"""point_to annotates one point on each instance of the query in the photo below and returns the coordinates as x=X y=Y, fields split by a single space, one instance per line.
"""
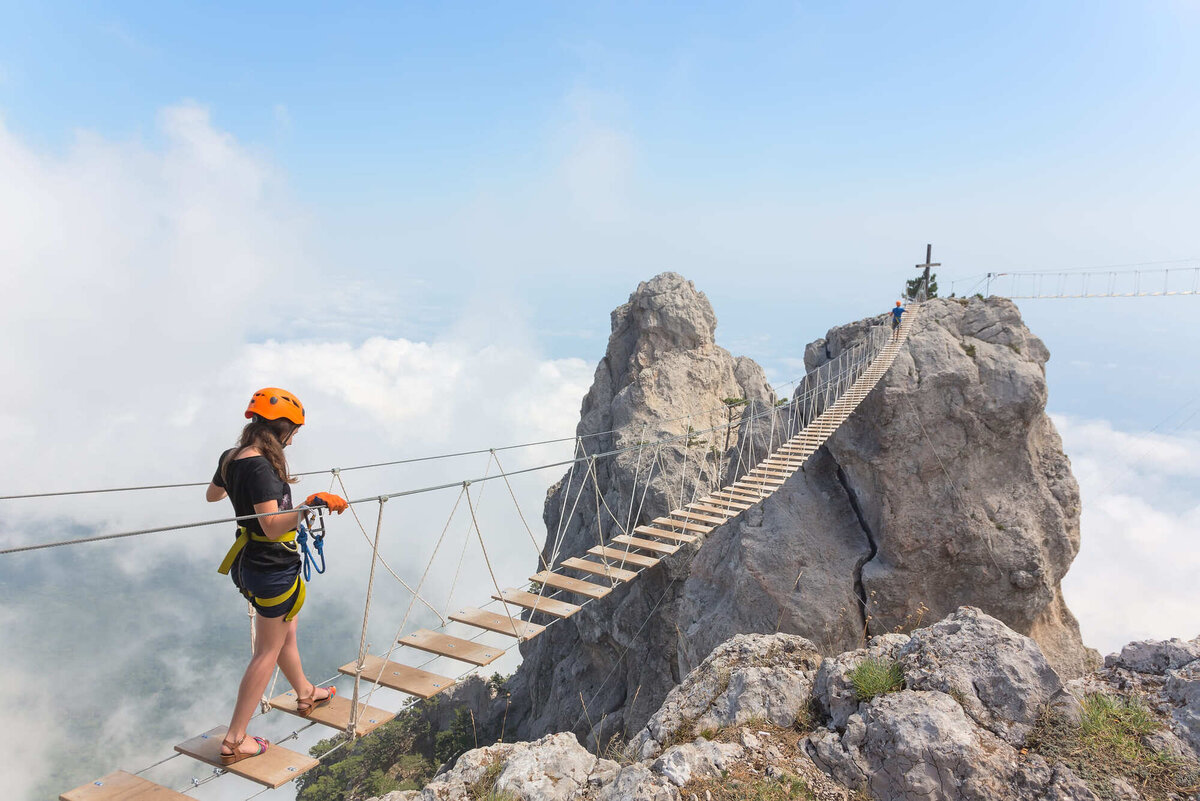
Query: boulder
x=1154 y=656
x=1000 y=677
x=554 y=768
x=698 y=760
x=1182 y=689
x=750 y=677
x=922 y=745
x=637 y=783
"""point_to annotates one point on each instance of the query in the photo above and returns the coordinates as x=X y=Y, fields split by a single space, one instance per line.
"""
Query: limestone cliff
x=948 y=486
x=960 y=477
x=663 y=373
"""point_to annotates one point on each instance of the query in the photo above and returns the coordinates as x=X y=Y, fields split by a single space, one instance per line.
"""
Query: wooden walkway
x=589 y=576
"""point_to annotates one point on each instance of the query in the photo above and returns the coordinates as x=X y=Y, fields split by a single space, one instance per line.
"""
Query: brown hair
x=266 y=436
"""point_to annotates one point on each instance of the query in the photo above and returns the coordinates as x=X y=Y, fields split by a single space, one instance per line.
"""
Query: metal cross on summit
x=929 y=262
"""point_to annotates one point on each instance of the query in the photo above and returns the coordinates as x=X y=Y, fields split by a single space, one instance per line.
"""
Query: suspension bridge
x=796 y=428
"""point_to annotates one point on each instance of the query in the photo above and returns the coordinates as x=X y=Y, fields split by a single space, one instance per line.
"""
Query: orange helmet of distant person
x=897 y=303
x=273 y=403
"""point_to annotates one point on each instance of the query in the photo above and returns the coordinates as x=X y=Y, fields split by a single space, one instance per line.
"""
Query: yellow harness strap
x=244 y=536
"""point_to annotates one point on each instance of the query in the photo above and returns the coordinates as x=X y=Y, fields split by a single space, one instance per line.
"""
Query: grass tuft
x=484 y=788
x=1108 y=744
x=876 y=676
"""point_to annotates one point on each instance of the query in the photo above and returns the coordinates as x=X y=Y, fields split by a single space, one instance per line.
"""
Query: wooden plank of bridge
x=771 y=473
x=742 y=495
x=724 y=503
x=689 y=515
x=410 y=680
x=623 y=556
x=758 y=480
x=664 y=534
x=122 y=786
x=501 y=624
x=707 y=507
x=336 y=713
x=528 y=600
x=599 y=569
x=647 y=545
x=577 y=586
x=666 y=521
x=275 y=767
x=444 y=645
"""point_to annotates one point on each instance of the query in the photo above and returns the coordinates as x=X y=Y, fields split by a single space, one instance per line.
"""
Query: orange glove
x=333 y=503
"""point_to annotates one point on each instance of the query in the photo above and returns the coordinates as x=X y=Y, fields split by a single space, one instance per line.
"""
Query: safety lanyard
x=318 y=538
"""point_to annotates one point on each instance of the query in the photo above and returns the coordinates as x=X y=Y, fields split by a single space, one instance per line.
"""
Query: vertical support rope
x=687 y=446
x=487 y=560
x=466 y=539
x=352 y=727
x=636 y=473
x=520 y=514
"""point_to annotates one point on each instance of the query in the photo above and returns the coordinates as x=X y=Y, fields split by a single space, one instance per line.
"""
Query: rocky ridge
x=968 y=719
x=947 y=487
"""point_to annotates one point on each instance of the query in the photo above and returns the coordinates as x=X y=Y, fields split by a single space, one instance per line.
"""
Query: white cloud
x=1134 y=577
x=137 y=274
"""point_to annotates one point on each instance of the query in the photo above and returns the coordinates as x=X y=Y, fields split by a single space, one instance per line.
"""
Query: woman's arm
x=276 y=525
x=214 y=493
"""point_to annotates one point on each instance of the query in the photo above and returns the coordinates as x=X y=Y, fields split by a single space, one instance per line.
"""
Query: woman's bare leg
x=270 y=635
x=289 y=662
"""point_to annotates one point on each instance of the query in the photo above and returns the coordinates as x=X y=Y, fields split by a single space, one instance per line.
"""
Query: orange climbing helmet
x=272 y=403
x=897 y=303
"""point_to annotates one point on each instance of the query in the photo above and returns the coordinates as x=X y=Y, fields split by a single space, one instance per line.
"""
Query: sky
x=418 y=217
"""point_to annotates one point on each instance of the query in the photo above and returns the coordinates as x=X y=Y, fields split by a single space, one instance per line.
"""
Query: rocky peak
x=665 y=314
x=948 y=486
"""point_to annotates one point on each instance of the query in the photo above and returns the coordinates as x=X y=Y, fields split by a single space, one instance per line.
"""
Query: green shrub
x=876 y=676
x=969 y=350
x=457 y=739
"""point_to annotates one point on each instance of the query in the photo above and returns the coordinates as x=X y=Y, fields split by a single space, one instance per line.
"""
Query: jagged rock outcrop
x=662 y=374
x=962 y=724
x=961 y=479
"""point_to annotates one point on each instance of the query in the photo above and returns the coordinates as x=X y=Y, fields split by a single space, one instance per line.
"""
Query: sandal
x=238 y=756
x=305 y=704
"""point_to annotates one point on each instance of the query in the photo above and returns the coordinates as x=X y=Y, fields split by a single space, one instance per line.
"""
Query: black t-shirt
x=253 y=480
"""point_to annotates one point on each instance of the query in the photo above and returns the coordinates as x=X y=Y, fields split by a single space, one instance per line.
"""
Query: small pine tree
x=913 y=287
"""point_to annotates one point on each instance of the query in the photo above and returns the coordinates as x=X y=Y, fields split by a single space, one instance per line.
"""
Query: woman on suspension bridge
x=265 y=561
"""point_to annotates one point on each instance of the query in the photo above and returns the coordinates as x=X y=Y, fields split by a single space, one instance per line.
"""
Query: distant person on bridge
x=896 y=314
x=264 y=561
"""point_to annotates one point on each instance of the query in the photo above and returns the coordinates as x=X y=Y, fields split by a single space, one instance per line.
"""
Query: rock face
x=765 y=707
x=960 y=477
x=947 y=487
x=662 y=374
